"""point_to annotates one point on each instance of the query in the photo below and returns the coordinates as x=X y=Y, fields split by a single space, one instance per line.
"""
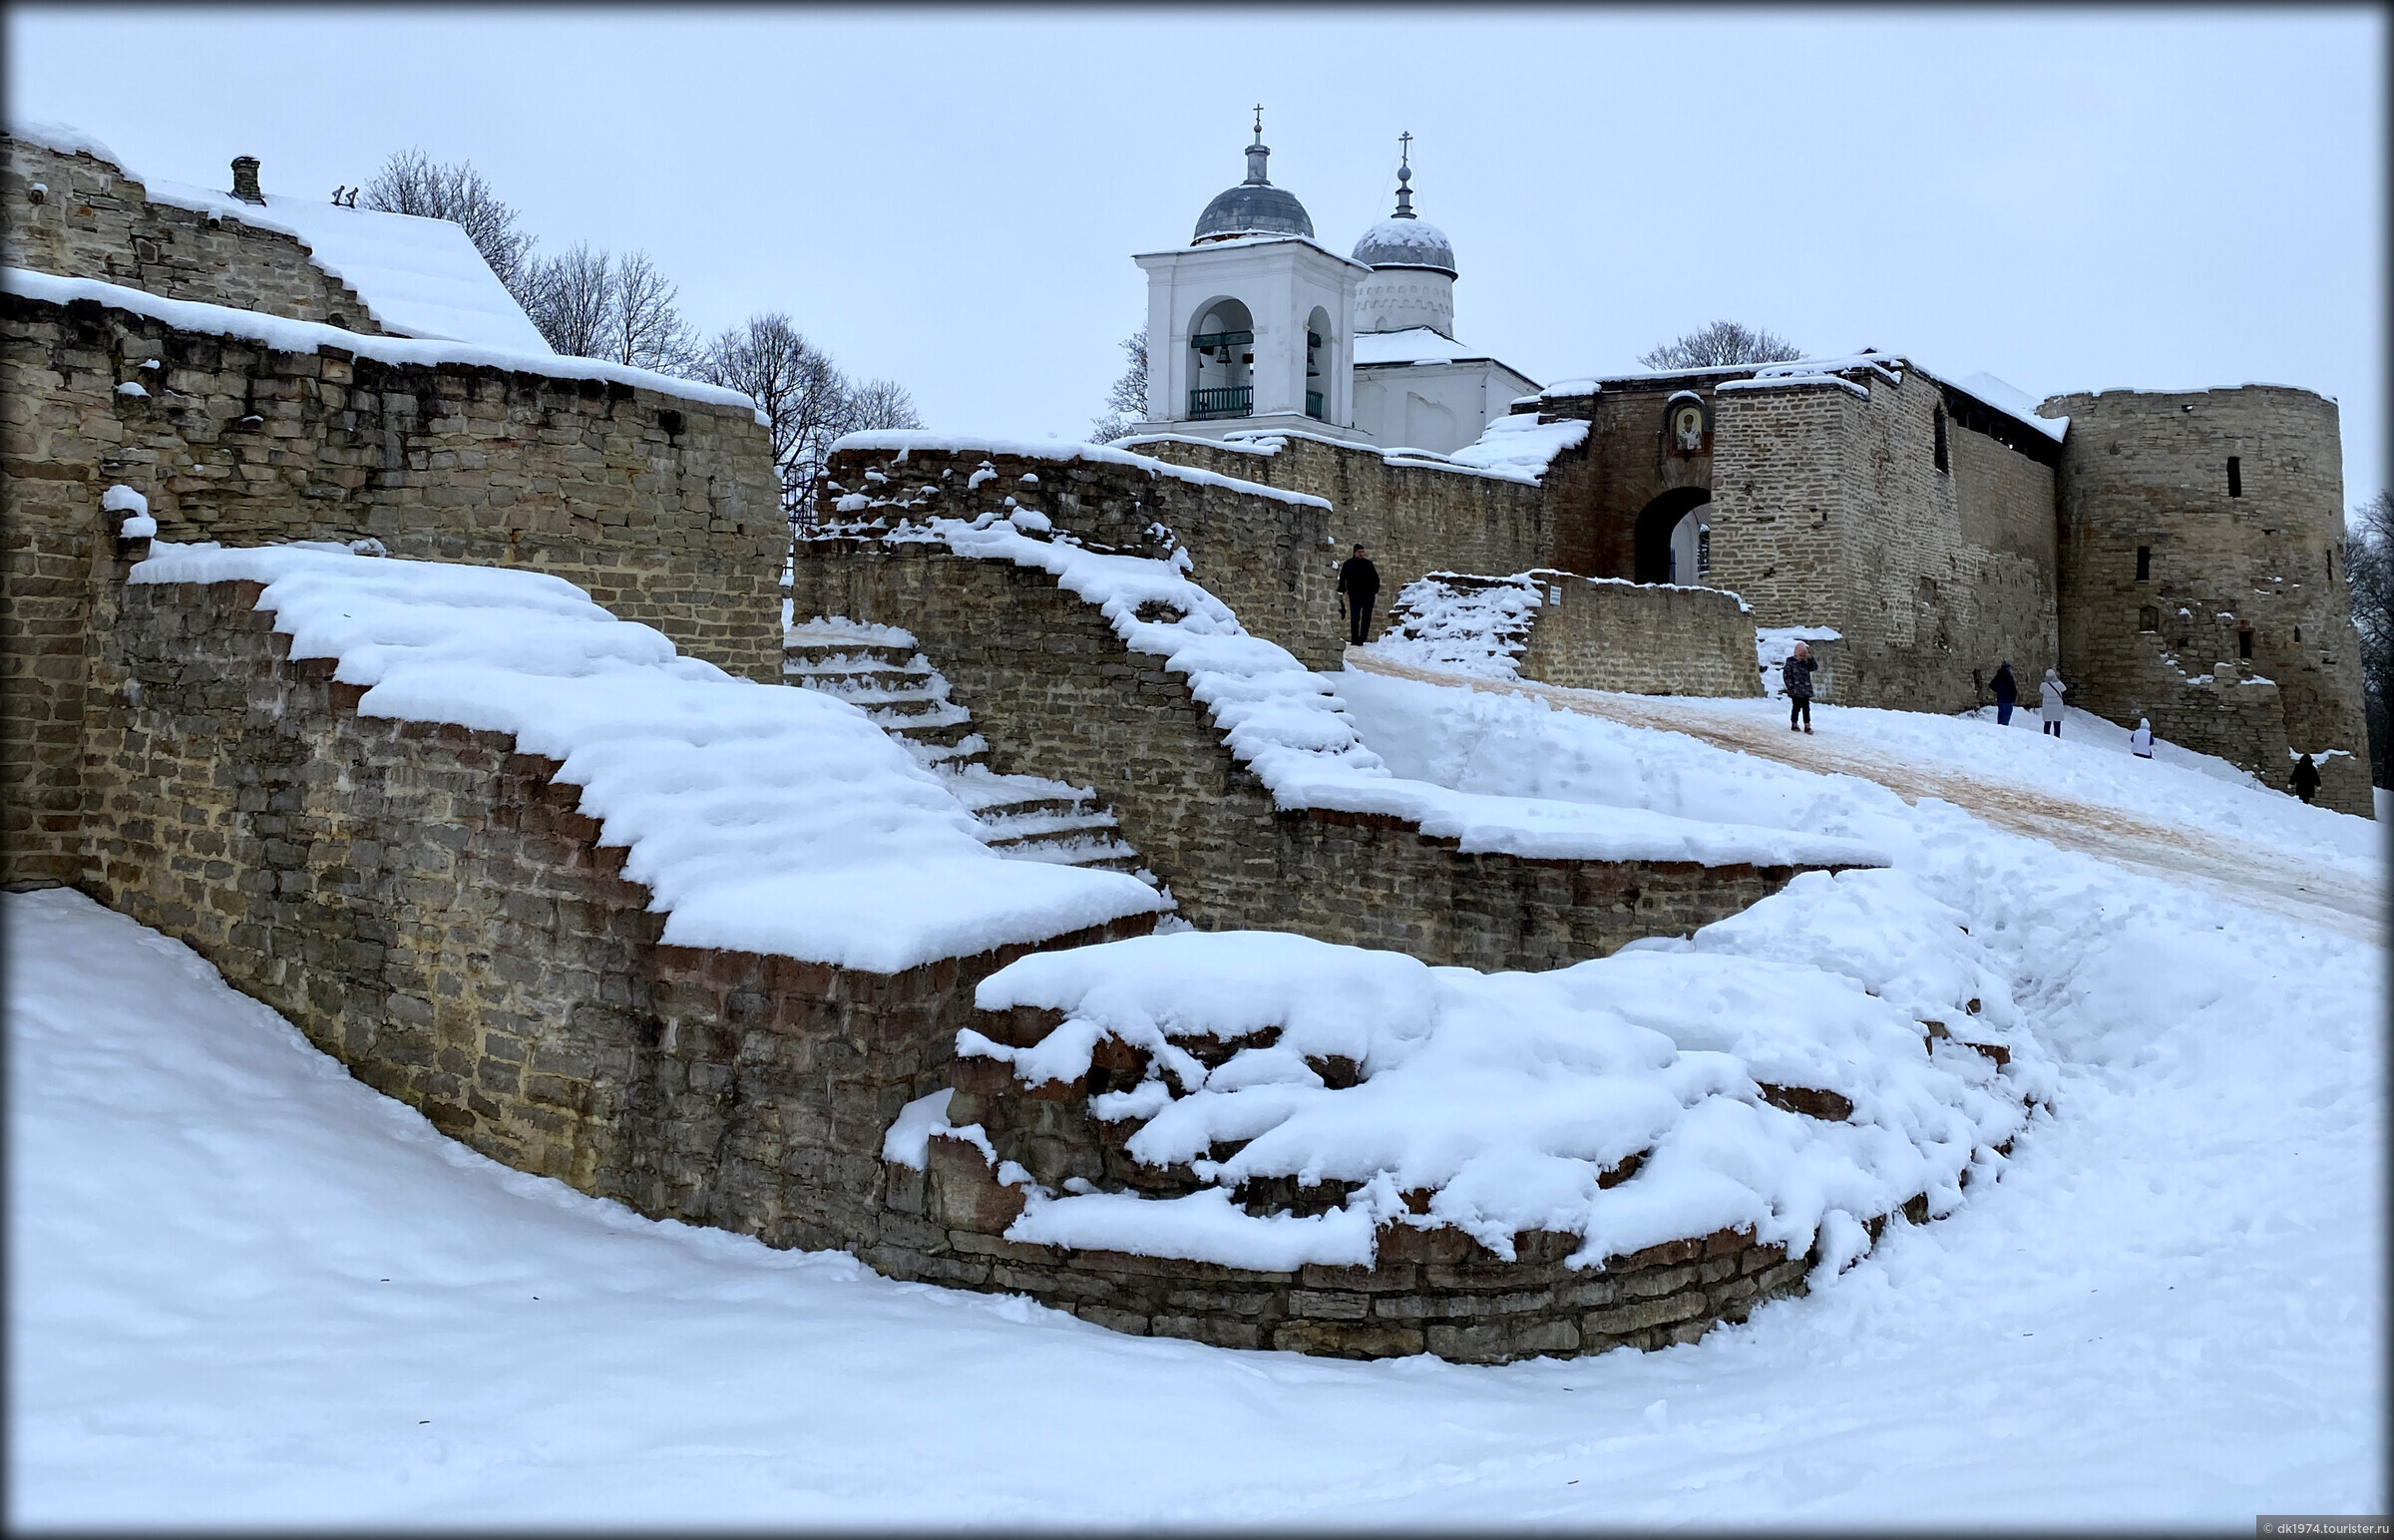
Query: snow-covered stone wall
x=599 y=912
x=1235 y=775
x=1586 y=633
x=89 y=220
x=662 y=505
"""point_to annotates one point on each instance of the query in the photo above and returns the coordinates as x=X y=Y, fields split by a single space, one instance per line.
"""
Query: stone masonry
x=430 y=907
x=1059 y=694
x=1646 y=638
x=665 y=509
x=2235 y=585
x=91 y=220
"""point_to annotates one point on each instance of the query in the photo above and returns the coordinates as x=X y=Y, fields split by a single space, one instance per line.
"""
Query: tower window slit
x=2244 y=645
x=1942 y=462
x=2235 y=476
x=2143 y=563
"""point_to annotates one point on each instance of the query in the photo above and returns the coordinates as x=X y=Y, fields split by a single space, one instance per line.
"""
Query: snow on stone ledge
x=1288 y=726
x=908 y=440
x=64 y=138
x=1476 y=627
x=762 y=818
x=291 y=336
x=1521 y=446
x=1511 y=1098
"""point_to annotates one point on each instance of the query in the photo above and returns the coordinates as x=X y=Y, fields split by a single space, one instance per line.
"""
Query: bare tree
x=1126 y=399
x=1721 y=343
x=874 y=404
x=644 y=329
x=411 y=181
x=804 y=399
x=574 y=301
x=2369 y=573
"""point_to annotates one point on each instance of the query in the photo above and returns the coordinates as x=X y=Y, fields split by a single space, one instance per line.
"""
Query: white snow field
x=247 y=1291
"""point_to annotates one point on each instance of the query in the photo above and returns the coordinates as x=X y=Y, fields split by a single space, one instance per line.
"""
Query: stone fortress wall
x=1059 y=694
x=91 y=220
x=665 y=507
x=1647 y=639
x=2237 y=585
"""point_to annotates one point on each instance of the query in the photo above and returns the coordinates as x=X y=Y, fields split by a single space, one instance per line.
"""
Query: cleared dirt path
x=2232 y=869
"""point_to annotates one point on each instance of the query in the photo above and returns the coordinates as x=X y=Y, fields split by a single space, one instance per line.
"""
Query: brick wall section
x=1828 y=510
x=1647 y=639
x=663 y=507
x=430 y=907
x=1271 y=560
x=93 y=221
x=1414 y=519
x=2149 y=469
x=1059 y=694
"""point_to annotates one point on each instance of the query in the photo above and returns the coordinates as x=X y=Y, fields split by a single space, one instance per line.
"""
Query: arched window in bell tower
x=1222 y=361
x=1318 y=356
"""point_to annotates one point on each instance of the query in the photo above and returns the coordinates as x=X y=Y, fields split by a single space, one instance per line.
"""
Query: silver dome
x=1407 y=241
x=1254 y=206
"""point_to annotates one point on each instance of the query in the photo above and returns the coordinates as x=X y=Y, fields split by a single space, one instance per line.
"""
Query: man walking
x=1359 y=585
x=2306 y=778
x=2053 y=689
x=1797 y=674
x=2007 y=693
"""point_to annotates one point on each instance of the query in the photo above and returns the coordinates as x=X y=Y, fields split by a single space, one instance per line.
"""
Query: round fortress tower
x=2202 y=576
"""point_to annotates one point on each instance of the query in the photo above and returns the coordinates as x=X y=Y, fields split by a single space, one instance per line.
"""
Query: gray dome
x=1252 y=210
x=1254 y=206
x=1405 y=242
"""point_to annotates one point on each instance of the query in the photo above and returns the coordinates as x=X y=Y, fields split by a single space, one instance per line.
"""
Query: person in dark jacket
x=2306 y=778
x=1797 y=674
x=2007 y=693
x=1359 y=585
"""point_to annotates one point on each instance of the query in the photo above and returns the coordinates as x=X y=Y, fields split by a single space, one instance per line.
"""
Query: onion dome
x=1404 y=239
x=1254 y=206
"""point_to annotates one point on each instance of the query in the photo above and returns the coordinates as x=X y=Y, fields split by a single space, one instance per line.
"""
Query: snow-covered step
x=878 y=669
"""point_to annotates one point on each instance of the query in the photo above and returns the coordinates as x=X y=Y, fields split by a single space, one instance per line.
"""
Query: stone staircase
x=878 y=669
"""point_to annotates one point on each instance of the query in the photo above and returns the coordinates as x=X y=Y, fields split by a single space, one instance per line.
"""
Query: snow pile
x=1289 y=727
x=1637 y=1099
x=291 y=336
x=2011 y=399
x=1474 y=626
x=1522 y=446
x=64 y=138
x=761 y=818
x=136 y=525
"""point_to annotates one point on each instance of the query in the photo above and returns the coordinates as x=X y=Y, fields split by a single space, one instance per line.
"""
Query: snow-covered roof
x=291 y=336
x=420 y=277
x=1996 y=395
x=1414 y=345
x=1201 y=248
x=1521 y=444
x=761 y=818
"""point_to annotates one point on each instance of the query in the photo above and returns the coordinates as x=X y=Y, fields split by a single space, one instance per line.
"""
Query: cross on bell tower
x=1405 y=176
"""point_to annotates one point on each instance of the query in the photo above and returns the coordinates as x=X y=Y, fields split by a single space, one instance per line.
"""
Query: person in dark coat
x=1359 y=585
x=2306 y=778
x=2007 y=693
x=1797 y=674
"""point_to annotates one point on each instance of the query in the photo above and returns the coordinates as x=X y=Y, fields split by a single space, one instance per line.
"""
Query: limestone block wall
x=1828 y=508
x=2149 y=470
x=1057 y=693
x=93 y=221
x=430 y=907
x=1646 y=638
x=1271 y=560
x=663 y=507
x=1595 y=494
x=1415 y=518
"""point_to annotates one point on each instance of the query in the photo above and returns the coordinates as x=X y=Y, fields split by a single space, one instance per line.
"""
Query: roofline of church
x=1248 y=242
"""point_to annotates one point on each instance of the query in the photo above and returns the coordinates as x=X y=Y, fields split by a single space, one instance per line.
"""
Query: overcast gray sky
x=2067 y=200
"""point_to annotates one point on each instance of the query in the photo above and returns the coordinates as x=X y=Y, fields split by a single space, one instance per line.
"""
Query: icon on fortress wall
x=1688 y=423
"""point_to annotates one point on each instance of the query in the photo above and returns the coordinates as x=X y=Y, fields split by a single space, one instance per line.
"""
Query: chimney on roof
x=245 y=179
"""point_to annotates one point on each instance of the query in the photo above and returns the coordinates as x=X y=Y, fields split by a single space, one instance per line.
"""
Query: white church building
x=1255 y=325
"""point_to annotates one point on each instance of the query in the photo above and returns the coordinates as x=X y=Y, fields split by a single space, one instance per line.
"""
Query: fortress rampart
x=2184 y=579
x=91 y=220
x=661 y=506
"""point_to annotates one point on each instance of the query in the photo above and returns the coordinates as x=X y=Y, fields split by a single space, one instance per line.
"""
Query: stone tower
x=2201 y=577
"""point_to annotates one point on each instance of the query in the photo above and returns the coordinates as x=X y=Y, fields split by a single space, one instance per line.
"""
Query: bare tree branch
x=1127 y=398
x=411 y=181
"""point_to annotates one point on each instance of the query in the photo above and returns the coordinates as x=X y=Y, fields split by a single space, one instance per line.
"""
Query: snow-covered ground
x=247 y=1289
